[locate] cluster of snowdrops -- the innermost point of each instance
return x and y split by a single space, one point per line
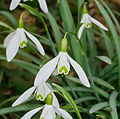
58 65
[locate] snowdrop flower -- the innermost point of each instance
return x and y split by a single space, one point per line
40 92
49 111
61 65
42 3
18 39
87 21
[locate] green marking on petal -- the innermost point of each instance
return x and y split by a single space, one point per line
88 25
41 118
39 96
23 44
63 68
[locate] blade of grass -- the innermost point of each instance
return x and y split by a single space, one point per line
112 102
56 30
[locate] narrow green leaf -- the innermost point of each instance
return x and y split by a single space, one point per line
69 99
105 59
108 43
98 106
103 83
5 25
112 15
10 17
112 102
56 30
19 108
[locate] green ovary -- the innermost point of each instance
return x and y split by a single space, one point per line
23 44
39 96
88 25
63 68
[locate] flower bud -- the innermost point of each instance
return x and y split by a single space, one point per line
64 45
49 99
20 23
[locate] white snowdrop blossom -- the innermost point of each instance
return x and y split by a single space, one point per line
18 39
49 110
42 3
40 93
87 21
61 65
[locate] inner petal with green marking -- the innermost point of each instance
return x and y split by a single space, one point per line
63 69
39 97
23 44
88 25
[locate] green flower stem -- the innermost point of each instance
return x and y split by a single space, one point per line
36 13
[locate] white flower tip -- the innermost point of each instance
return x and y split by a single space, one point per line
8 59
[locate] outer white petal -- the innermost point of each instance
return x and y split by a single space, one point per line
98 23
81 74
14 4
43 5
63 113
29 114
24 96
36 41
80 31
13 47
46 71
9 38
55 72
55 101
63 61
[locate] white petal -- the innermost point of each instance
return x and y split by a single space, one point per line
48 112
80 31
46 71
13 47
43 90
63 113
36 41
43 5
63 64
24 96
55 101
81 74
14 4
29 114
8 39
55 72
98 23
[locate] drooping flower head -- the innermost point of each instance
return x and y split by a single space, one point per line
61 65
87 21
40 92
49 110
42 3
18 39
